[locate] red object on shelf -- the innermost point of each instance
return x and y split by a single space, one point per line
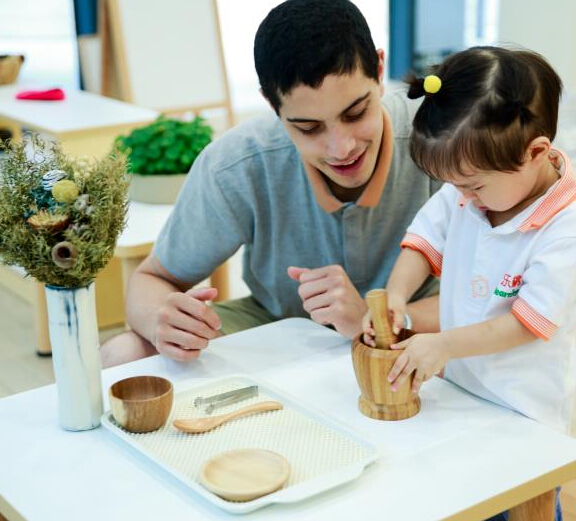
43 95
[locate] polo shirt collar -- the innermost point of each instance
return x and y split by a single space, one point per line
560 195
375 187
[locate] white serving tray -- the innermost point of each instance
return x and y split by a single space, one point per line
322 452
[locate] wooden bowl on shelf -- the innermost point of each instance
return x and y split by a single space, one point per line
141 403
378 401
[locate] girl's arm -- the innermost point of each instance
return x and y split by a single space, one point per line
409 273
427 354
486 338
425 314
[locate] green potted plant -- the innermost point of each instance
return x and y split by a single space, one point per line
161 154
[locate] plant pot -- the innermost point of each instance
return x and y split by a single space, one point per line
377 400
156 189
76 356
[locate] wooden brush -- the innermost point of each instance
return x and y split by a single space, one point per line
377 301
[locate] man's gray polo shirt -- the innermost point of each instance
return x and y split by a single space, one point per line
250 188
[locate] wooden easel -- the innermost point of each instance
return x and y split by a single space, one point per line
116 72
120 48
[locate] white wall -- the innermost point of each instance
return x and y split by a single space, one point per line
545 27
42 30
447 30
238 27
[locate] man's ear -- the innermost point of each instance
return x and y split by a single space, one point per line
381 56
538 149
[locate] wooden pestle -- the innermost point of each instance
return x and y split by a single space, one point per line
377 302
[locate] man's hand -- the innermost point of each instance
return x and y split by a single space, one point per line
185 324
330 297
425 354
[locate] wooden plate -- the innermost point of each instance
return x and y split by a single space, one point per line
244 474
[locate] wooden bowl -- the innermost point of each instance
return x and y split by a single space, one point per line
377 400
244 474
141 403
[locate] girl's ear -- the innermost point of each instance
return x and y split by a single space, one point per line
538 149
381 57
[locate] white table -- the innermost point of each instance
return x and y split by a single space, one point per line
85 123
460 458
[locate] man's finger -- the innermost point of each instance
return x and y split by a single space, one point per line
315 287
177 353
199 310
185 322
203 294
294 272
180 320
315 274
184 339
321 316
318 301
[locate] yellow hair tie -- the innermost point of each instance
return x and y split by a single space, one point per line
432 84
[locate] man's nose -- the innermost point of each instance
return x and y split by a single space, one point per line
341 143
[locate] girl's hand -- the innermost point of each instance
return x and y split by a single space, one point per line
396 311
425 354
369 335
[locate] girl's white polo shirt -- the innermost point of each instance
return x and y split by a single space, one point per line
527 266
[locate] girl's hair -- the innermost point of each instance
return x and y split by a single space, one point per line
492 103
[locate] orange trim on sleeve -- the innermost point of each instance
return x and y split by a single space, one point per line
532 320
433 256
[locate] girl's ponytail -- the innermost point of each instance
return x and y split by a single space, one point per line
415 86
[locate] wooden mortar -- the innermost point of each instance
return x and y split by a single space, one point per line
373 364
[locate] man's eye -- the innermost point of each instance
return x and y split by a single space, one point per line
478 188
308 131
357 116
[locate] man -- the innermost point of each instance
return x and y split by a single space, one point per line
319 194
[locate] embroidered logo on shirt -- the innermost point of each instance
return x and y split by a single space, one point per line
509 282
479 287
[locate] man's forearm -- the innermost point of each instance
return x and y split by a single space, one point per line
145 296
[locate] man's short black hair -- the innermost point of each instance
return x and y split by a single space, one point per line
301 42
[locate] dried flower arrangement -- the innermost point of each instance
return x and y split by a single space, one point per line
60 216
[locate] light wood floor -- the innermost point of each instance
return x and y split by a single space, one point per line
21 369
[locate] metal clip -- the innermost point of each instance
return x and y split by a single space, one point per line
228 398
